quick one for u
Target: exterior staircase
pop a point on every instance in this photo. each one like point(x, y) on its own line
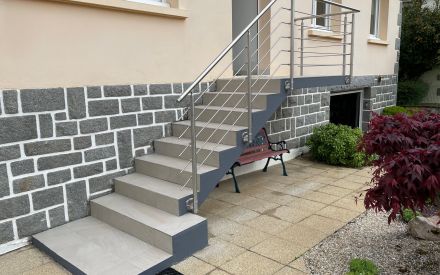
point(150, 222)
point(145, 226)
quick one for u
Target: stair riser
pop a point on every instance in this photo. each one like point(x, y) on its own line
point(174, 150)
point(148, 197)
point(231, 138)
point(222, 117)
point(237, 85)
point(132, 227)
point(230, 100)
point(163, 172)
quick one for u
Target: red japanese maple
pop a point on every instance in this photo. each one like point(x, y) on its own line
point(407, 169)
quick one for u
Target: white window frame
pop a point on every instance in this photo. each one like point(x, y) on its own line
point(327, 20)
point(163, 3)
point(375, 34)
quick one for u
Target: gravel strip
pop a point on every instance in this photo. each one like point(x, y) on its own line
point(369, 236)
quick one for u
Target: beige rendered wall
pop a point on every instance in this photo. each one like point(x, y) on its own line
point(370, 58)
point(50, 44)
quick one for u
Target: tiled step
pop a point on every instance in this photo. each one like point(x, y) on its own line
point(238, 99)
point(169, 168)
point(239, 84)
point(212, 132)
point(208, 153)
point(89, 246)
point(155, 192)
point(177, 235)
point(223, 115)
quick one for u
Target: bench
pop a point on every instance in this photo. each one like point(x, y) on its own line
point(260, 148)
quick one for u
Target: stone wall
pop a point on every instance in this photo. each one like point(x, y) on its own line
point(61, 147)
point(306, 109)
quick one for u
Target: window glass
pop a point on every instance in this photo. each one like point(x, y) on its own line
point(321, 8)
point(154, 2)
point(374, 23)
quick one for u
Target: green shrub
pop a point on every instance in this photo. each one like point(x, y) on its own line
point(362, 267)
point(409, 214)
point(392, 110)
point(337, 145)
point(411, 92)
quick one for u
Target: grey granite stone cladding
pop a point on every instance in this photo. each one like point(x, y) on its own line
point(306, 109)
point(60, 147)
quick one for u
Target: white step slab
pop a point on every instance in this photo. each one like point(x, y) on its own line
point(169, 168)
point(223, 115)
point(259, 83)
point(93, 247)
point(180, 148)
point(156, 227)
point(211, 132)
point(155, 192)
point(237, 99)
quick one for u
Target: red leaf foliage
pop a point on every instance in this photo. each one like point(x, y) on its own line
point(407, 170)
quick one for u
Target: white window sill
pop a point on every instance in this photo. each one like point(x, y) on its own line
point(131, 6)
point(378, 41)
point(324, 34)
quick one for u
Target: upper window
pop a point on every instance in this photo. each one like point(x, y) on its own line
point(375, 18)
point(321, 8)
point(154, 2)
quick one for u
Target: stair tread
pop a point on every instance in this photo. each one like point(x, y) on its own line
point(175, 163)
point(95, 247)
point(233, 109)
point(148, 215)
point(211, 125)
point(185, 141)
point(156, 185)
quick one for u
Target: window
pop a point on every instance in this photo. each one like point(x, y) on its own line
point(154, 2)
point(321, 8)
point(375, 15)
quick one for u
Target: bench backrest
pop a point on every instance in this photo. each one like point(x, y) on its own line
point(260, 144)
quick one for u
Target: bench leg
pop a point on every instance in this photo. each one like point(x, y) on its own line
point(237, 190)
point(265, 167)
point(284, 166)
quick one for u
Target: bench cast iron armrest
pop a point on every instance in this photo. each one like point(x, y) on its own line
point(278, 146)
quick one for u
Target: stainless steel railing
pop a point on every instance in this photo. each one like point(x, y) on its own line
point(310, 48)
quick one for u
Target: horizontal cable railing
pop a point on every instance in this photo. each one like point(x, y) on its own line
point(258, 53)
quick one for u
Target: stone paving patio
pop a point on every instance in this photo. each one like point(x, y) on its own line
point(263, 230)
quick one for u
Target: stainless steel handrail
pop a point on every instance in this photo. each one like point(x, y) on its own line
point(225, 51)
point(339, 5)
point(251, 81)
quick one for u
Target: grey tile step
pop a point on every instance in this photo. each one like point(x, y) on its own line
point(223, 115)
point(90, 246)
point(170, 169)
point(209, 153)
point(238, 99)
point(173, 234)
point(211, 132)
point(259, 84)
point(155, 192)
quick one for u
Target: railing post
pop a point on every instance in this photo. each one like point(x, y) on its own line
point(353, 16)
point(302, 49)
point(344, 48)
point(249, 88)
point(194, 156)
point(292, 43)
